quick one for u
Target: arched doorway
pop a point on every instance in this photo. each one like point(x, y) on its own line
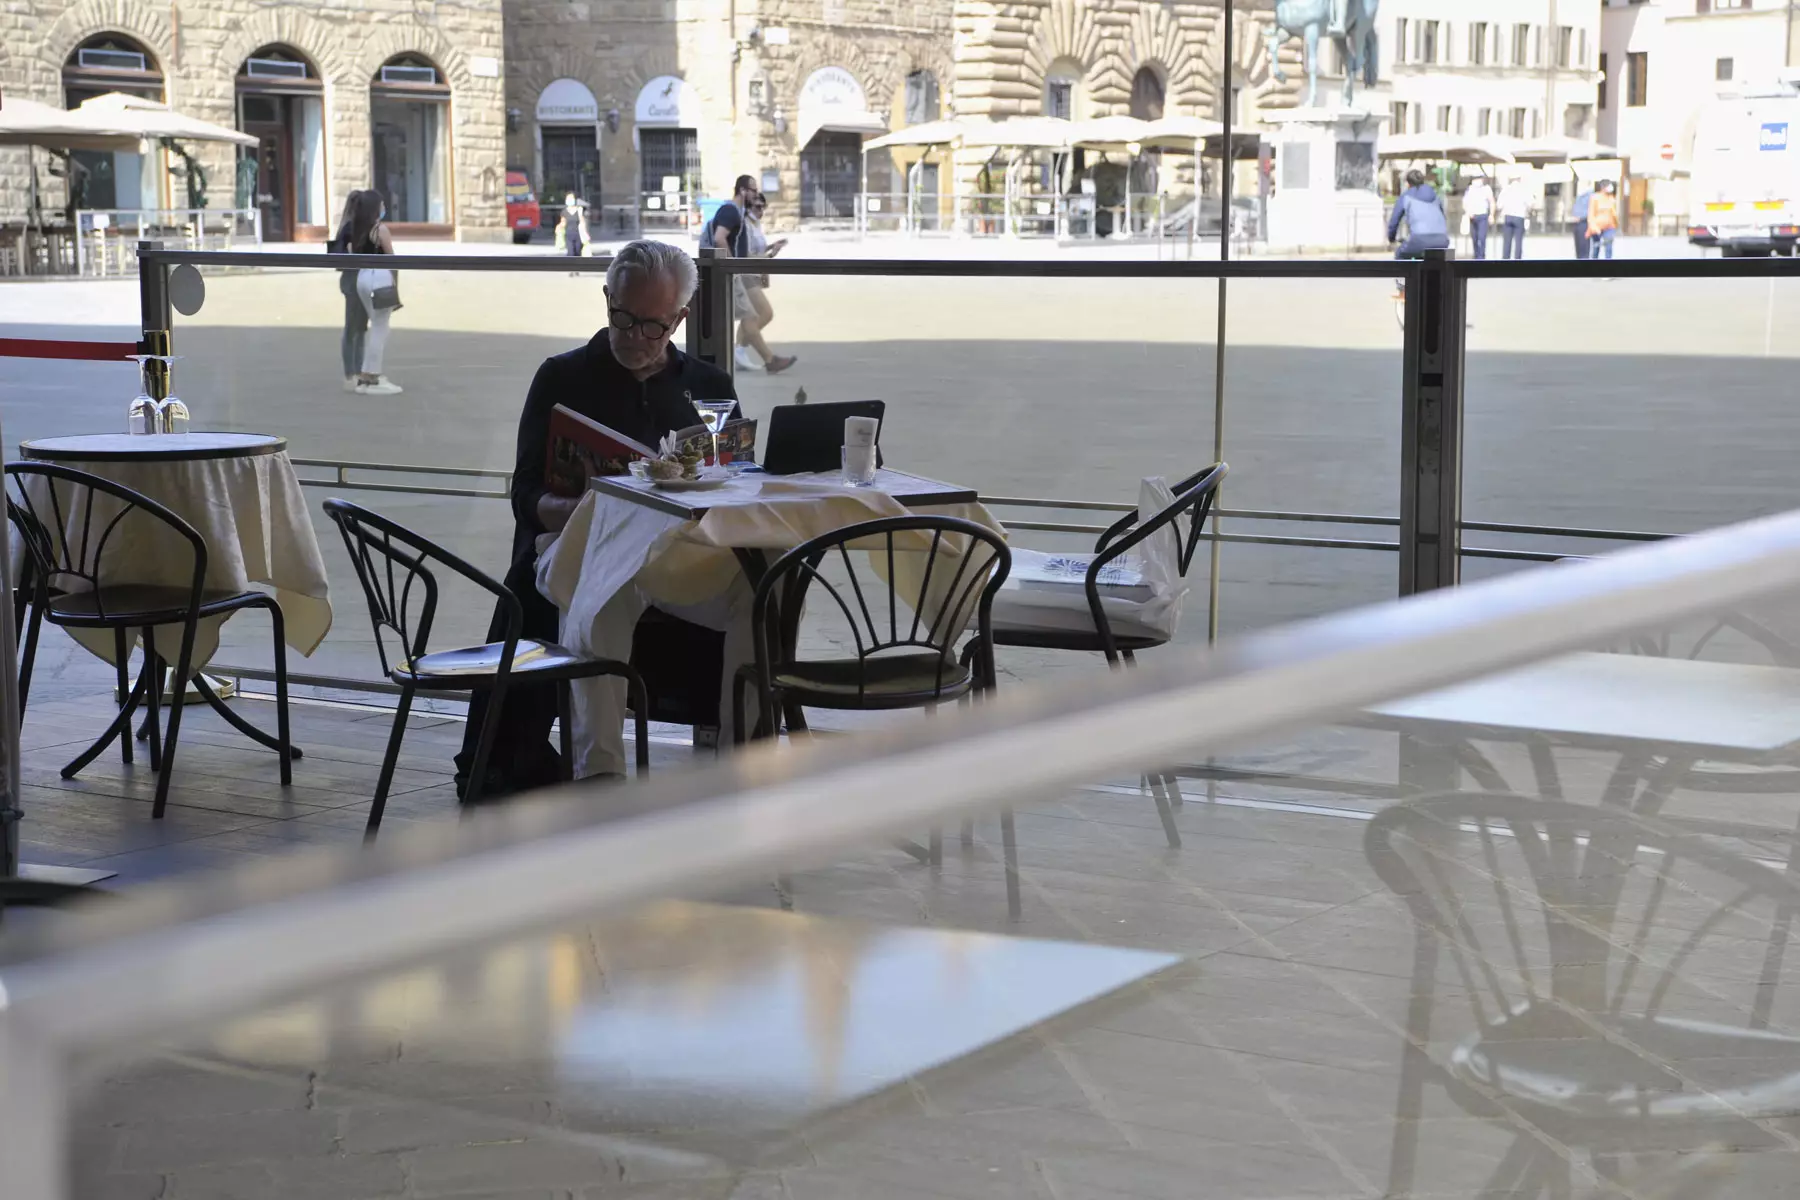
point(409, 116)
point(923, 104)
point(281, 101)
point(834, 117)
point(114, 179)
point(665, 125)
point(1147, 92)
point(568, 138)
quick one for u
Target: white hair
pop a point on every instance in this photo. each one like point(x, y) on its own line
point(652, 259)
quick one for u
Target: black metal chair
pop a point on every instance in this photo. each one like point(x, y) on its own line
point(1192, 503)
point(1595, 951)
point(66, 528)
point(394, 566)
point(905, 654)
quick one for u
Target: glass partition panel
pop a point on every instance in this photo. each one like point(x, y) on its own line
point(1647, 405)
point(1527, 932)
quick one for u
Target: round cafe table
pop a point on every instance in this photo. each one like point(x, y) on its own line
point(240, 492)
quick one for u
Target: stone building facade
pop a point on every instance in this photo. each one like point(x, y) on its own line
point(641, 106)
point(333, 120)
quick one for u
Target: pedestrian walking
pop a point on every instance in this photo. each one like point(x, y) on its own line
point(1515, 208)
point(728, 234)
point(356, 317)
point(1478, 207)
point(571, 227)
point(1584, 204)
point(753, 290)
point(1603, 221)
point(378, 288)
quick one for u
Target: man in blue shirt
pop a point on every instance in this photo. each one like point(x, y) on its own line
point(1426, 226)
point(1583, 203)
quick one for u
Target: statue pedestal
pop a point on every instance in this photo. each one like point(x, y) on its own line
point(1325, 170)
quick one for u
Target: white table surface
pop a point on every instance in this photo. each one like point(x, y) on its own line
point(1718, 709)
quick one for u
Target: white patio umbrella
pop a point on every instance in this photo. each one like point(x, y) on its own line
point(28, 123)
point(1443, 147)
point(1021, 133)
point(1179, 133)
point(930, 133)
point(1558, 148)
point(138, 117)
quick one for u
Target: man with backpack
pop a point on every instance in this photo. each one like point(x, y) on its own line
point(728, 233)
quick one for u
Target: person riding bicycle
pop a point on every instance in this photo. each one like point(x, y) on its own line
point(1426, 226)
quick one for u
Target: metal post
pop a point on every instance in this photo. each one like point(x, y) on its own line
point(158, 317)
point(10, 718)
point(709, 330)
point(1431, 427)
point(1212, 599)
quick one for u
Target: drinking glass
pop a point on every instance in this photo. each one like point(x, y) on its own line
point(715, 413)
point(140, 417)
point(171, 413)
point(859, 465)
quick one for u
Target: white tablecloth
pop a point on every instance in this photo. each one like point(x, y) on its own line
point(253, 517)
point(617, 557)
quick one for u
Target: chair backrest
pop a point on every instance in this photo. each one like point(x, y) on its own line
point(920, 580)
point(393, 564)
point(1186, 514)
point(67, 520)
point(1592, 908)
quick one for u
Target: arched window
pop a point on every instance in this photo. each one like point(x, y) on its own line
point(1062, 90)
point(1147, 94)
point(110, 62)
point(922, 102)
point(114, 179)
point(409, 111)
point(280, 99)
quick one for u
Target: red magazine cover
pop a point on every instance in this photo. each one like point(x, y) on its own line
point(580, 448)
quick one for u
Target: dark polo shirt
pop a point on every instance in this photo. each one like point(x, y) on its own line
point(593, 383)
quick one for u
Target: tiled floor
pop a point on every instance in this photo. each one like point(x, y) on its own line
point(1584, 1029)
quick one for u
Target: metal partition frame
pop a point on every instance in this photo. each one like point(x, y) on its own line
point(1429, 530)
point(187, 953)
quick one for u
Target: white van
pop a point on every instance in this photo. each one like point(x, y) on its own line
point(1744, 191)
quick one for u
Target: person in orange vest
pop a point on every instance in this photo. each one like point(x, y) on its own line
point(1603, 220)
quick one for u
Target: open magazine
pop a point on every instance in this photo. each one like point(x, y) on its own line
point(580, 448)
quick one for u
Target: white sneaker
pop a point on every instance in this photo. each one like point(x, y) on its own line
point(747, 360)
point(350, 383)
point(383, 386)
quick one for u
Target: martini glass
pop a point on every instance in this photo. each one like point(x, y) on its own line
point(715, 413)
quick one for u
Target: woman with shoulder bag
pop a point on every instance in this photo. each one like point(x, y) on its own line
point(378, 289)
point(356, 317)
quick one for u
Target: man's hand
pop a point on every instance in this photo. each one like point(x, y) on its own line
point(554, 511)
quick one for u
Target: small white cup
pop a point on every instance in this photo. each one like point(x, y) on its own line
point(859, 465)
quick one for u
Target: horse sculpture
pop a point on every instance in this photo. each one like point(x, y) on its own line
point(1310, 20)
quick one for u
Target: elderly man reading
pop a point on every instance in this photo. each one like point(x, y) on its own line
point(628, 377)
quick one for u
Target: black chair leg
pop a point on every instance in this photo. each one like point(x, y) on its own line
point(565, 725)
point(484, 746)
point(396, 735)
point(121, 728)
point(1009, 843)
point(639, 696)
point(153, 699)
point(184, 668)
point(1158, 784)
point(122, 653)
point(283, 733)
point(28, 656)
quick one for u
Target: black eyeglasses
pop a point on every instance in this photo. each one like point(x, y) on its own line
point(626, 322)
